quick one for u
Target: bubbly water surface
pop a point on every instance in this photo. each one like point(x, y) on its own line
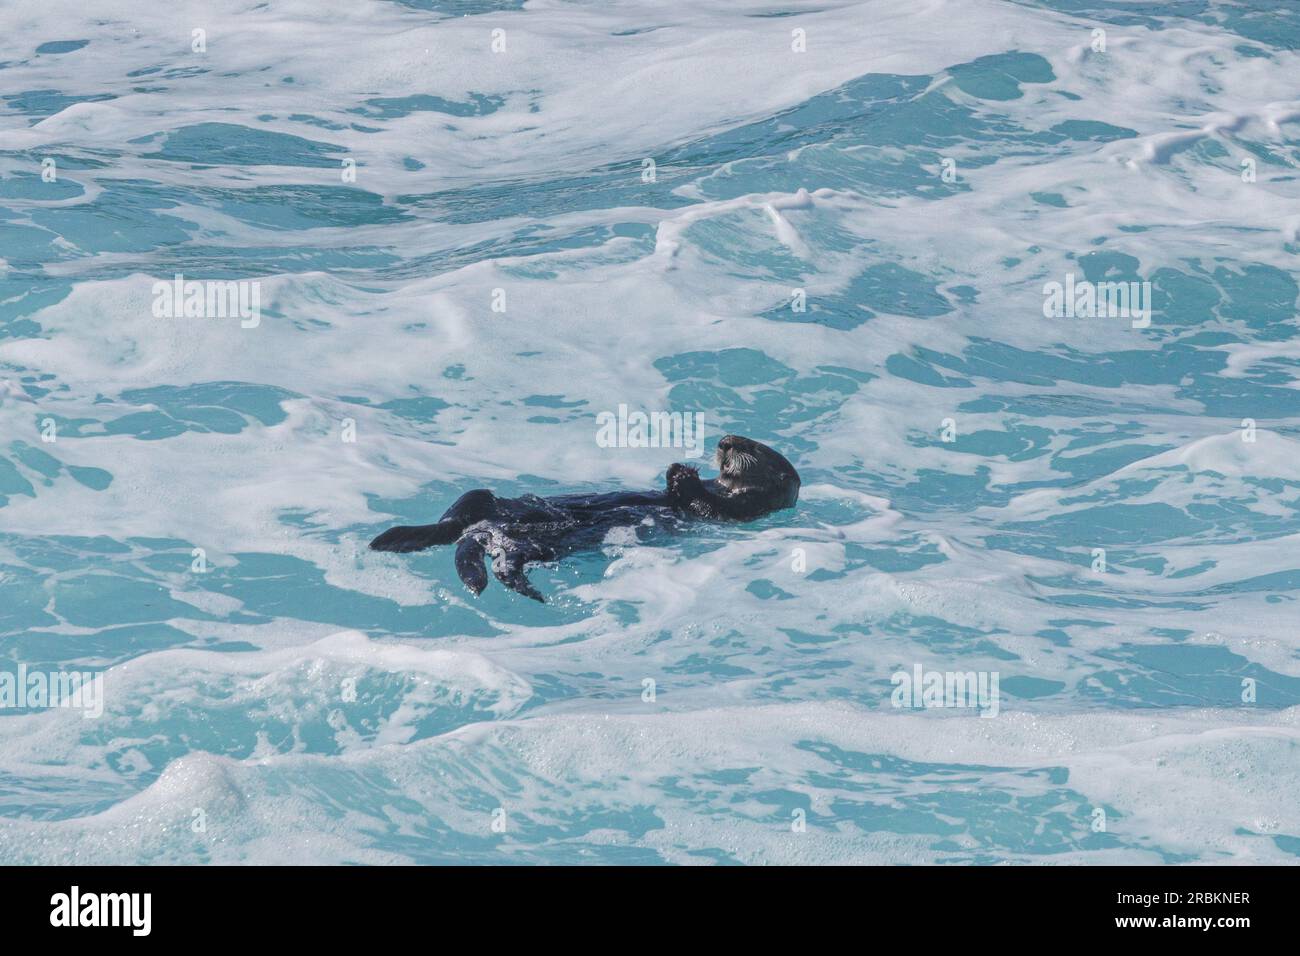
point(1102, 517)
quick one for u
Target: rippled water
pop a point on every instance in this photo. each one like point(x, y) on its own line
point(463, 257)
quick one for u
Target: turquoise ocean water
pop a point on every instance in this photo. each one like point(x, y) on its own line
point(471, 228)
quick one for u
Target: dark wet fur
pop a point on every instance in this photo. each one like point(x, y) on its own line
point(753, 481)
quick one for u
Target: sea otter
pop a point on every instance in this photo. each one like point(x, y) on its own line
point(753, 480)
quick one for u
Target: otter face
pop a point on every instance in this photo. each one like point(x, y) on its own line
point(746, 464)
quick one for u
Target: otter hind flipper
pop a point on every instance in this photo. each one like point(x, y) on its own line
point(470, 556)
point(508, 566)
point(406, 538)
point(508, 562)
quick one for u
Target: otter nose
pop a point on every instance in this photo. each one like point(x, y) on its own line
point(727, 442)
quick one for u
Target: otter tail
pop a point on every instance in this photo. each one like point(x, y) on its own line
point(417, 537)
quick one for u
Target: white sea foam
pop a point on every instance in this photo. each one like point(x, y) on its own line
point(724, 623)
point(1210, 767)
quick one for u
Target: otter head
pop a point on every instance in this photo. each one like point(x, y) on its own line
point(745, 464)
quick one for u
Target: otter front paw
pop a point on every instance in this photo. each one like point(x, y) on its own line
point(683, 483)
